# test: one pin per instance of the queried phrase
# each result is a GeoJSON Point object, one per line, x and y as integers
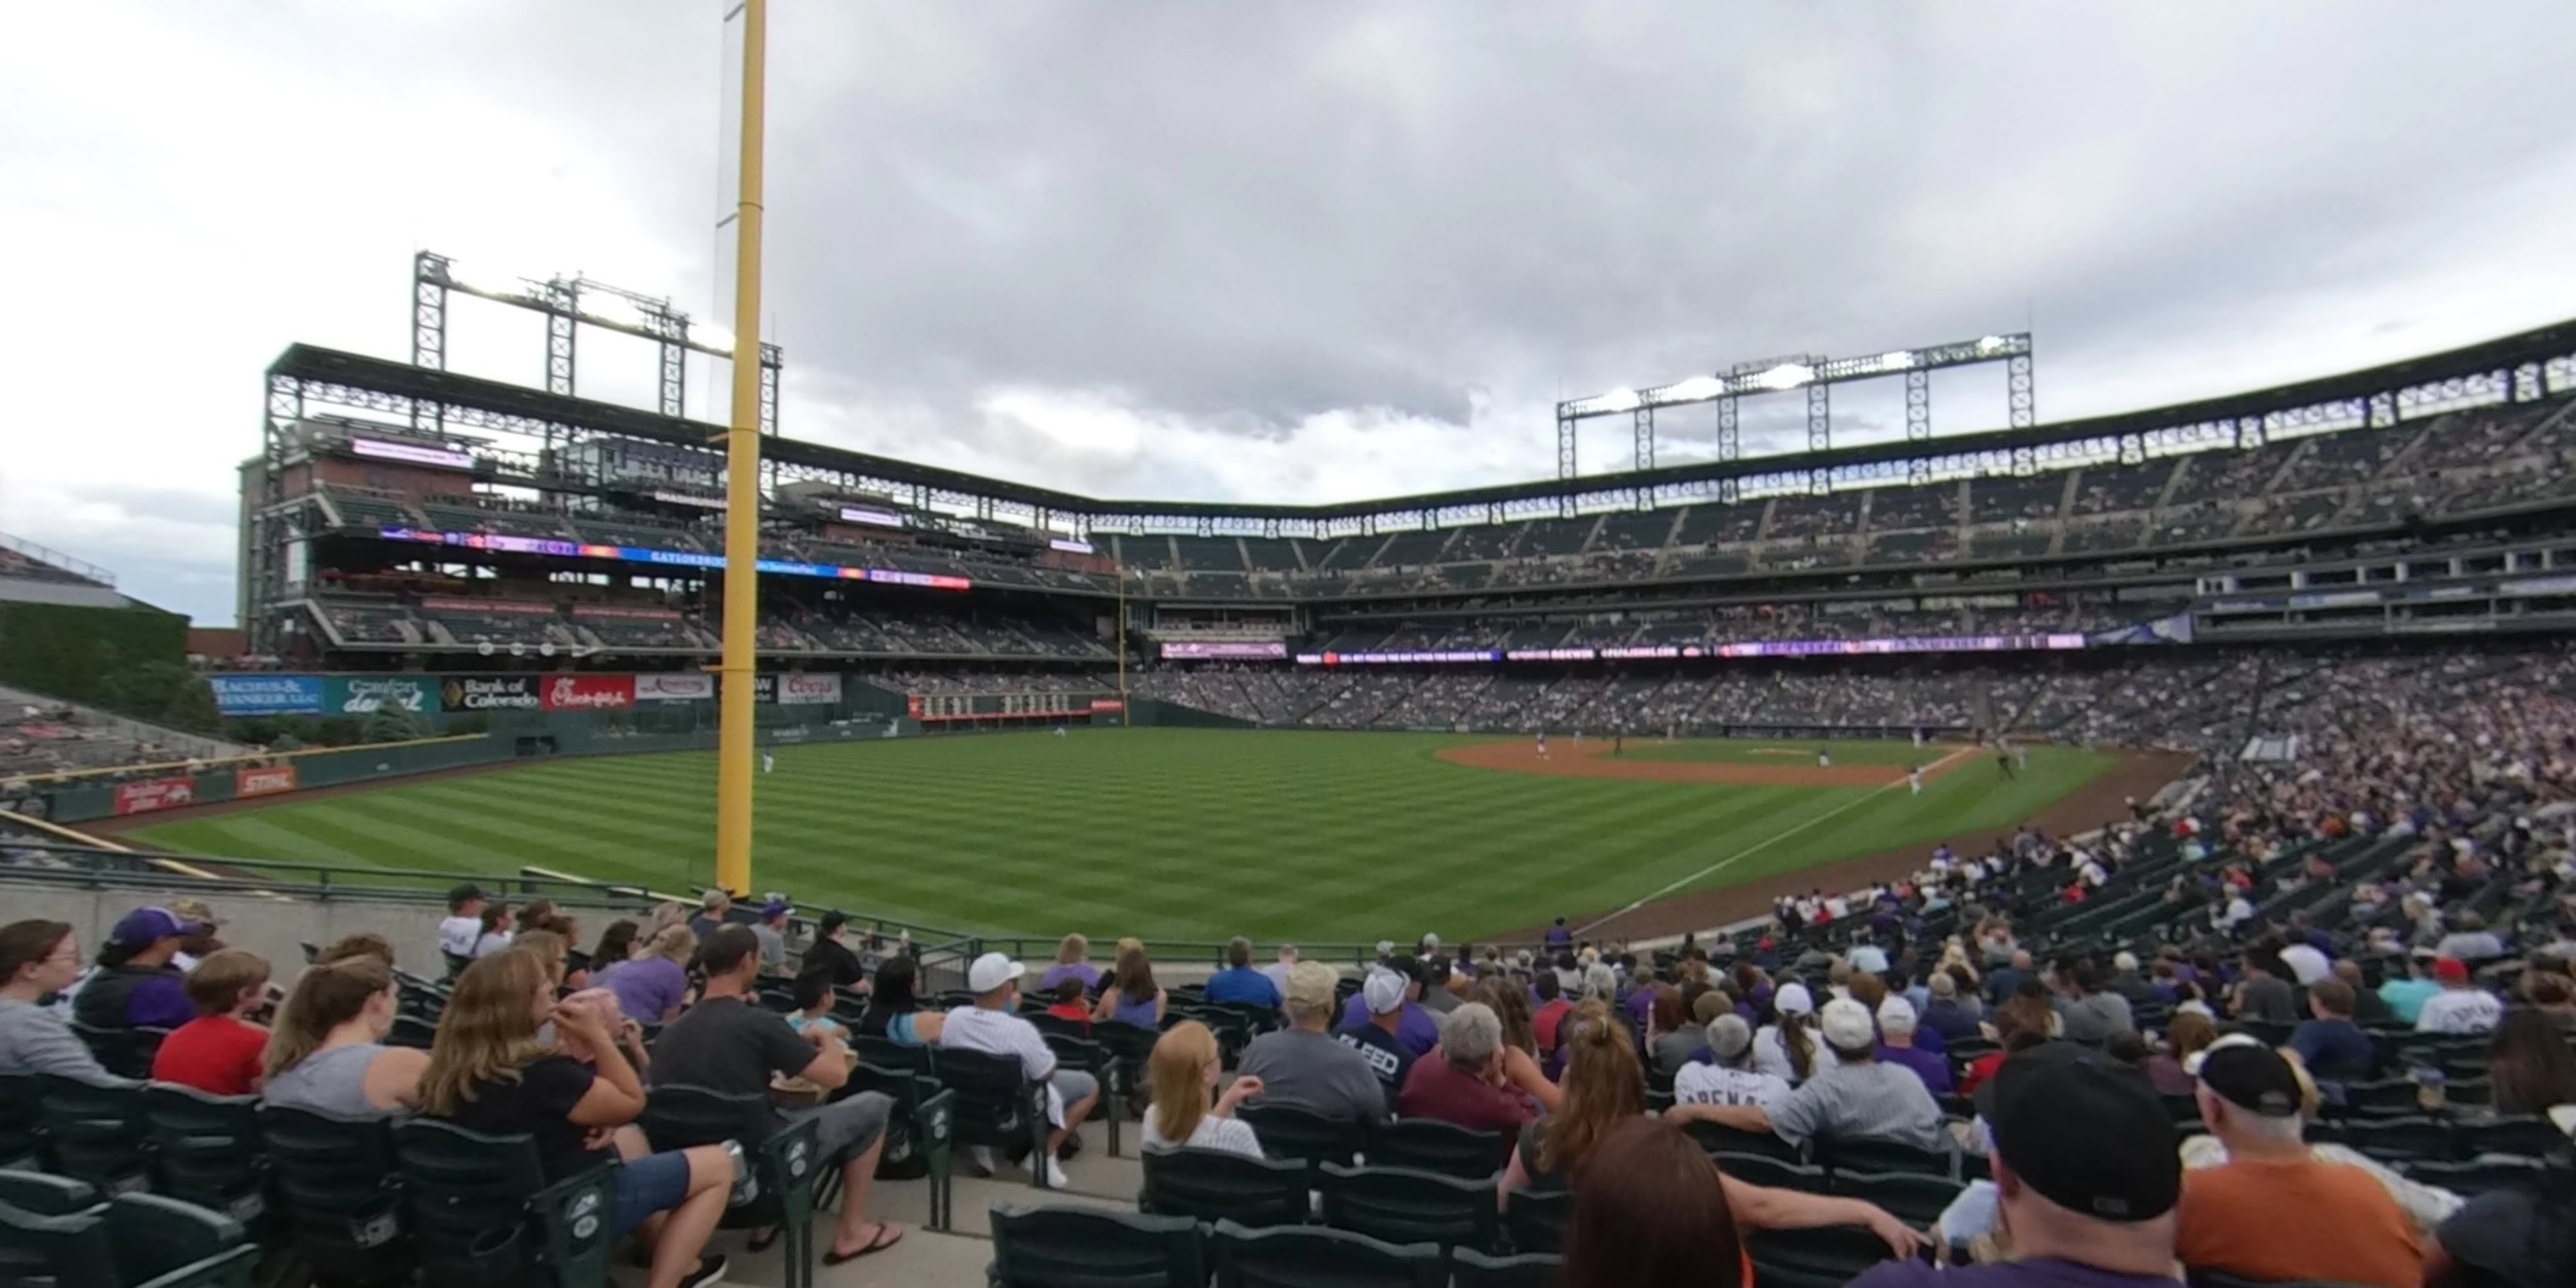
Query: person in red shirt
{"type": "Point", "coordinates": [1462, 1080]}
{"type": "Point", "coordinates": [219, 1052]}
{"type": "Point", "coordinates": [1552, 1007]}
{"type": "Point", "coordinates": [1070, 1003]}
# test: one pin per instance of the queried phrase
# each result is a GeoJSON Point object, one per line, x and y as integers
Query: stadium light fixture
{"type": "Point", "coordinates": [1990, 344]}
{"type": "Point", "coordinates": [1788, 375]}
{"type": "Point", "coordinates": [708, 335]}
{"type": "Point", "coordinates": [1895, 360]}
{"type": "Point", "coordinates": [1695, 389]}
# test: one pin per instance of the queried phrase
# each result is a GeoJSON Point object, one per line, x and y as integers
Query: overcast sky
{"type": "Point", "coordinates": [1292, 251]}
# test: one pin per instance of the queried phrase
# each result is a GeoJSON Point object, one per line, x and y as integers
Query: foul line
{"type": "Point", "coordinates": [1766, 843]}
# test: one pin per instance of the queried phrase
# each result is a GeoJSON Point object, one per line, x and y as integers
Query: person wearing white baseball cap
{"type": "Point", "coordinates": [1860, 1098]}
{"type": "Point", "coordinates": [1790, 1050]}
{"type": "Point", "coordinates": [1375, 1035]}
{"type": "Point", "coordinates": [992, 1026]}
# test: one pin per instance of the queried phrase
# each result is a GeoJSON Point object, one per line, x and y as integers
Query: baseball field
{"type": "Point", "coordinates": [1202, 834]}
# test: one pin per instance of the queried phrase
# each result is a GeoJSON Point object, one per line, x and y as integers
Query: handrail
{"type": "Point", "coordinates": [61, 562]}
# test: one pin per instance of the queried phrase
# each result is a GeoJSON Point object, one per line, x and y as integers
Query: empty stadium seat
{"type": "Point", "coordinates": [1088, 1247]}
{"type": "Point", "coordinates": [1220, 1185]}
{"type": "Point", "coordinates": [1293, 1129]}
{"type": "Point", "coordinates": [98, 1134]}
{"type": "Point", "coordinates": [1404, 1205]}
{"type": "Point", "coordinates": [920, 1130]}
{"type": "Point", "coordinates": [1473, 1269]}
{"type": "Point", "coordinates": [128, 1242]}
{"type": "Point", "coordinates": [1316, 1257]}
{"type": "Point", "coordinates": [1536, 1219]}
{"type": "Point", "coordinates": [338, 1195]}
{"type": "Point", "coordinates": [483, 1214]}
{"type": "Point", "coordinates": [1430, 1145]}
{"type": "Point", "coordinates": [1824, 1257]}
{"type": "Point", "coordinates": [206, 1151]}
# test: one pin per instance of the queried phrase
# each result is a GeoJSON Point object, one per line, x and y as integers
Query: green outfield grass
{"type": "Point", "coordinates": [1787, 755]}
{"type": "Point", "coordinates": [1172, 833]}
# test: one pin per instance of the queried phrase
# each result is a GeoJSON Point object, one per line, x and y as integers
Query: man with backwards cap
{"type": "Point", "coordinates": [1415, 1027]}
{"type": "Point", "coordinates": [2086, 1175]}
{"type": "Point", "coordinates": [2272, 1211]}
{"type": "Point", "coordinates": [1375, 1037]}
{"type": "Point", "coordinates": [992, 1026]}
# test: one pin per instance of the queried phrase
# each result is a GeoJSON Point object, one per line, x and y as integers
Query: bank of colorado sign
{"type": "Point", "coordinates": [587, 692]}
{"type": "Point", "coordinates": [489, 693]}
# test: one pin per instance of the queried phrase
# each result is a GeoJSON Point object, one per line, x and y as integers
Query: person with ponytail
{"type": "Point", "coordinates": [326, 1052]}
{"type": "Point", "coordinates": [1789, 1049]}
{"type": "Point", "coordinates": [1604, 1085]}
{"type": "Point", "coordinates": [1181, 1072]}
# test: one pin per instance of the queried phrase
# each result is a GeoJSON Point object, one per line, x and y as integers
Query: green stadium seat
{"type": "Point", "coordinates": [206, 1151]}
{"type": "Point", "coordinates": [1406, 1205]}
{"type": "Point", "coordinates": [1536, 1219]}
{"type": "Point", "coordinates": [2476, 1177]}
{"type": "Point", "coordinates": [1294, 1129]}
{"type": "Point", "coordinates": [1824, 1257]}
{"type": "Point", "coordinates": [1880, 1156]}
{"type": "Point", "coordinates": [337, 1197]}
{"type": "Point", "coordinates": [1315, 1257]}
{"type": "Point", "coordinates": [46, 1194]}
{"type": "Point", "coordinates": [98, 1134]}
{"type": "Point", "coordinates": [919, 1133]}
{"type": "Point", "coordinates": [1081, 1053]}
{"type": "Point", "coordinates": [1220, 1185]}
{"type": "Point", "coordinates": [131, 1241]}
{"type": "Point", "coordinates": [22, 1121]}
{"type": "Point", "coordinates": [1766, 1169]}
{"type": "Point", "coordinates": [1917, 1200]}
{"type": "Point", "coordinates": [1717, 1138]}
{"type": "Point", "coordinates": [1472, 1269]}
{"type": "Point", "coordinates": [1086, 1247]}
{"type": "Point", "coordinates": [122, 1052]}
{"type": "Point", "coordinates": [1430, 1145]}
{"type": "Point", "coordinates": [997, 1106]}
{"type": "Point", "coordinates": [483, 1214]}
{"type": "Point", "coordinates": [786, 1163]}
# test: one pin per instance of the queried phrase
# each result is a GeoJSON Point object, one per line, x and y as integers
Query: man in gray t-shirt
{"type": "Point", "coordinates": [1305, 1063]}
{"type": "Point", "coordinates": [1860, 1098]}
{"type": "Point", "coordinates": [772, 934]}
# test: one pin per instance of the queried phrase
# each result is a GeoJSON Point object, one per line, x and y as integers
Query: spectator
{"type": "Point", "coordinates": [2532, 1069]}
{"type": "Point", "coordinates": [2265, 995]}
{"type": "Point", "coordinates": [2521, 1236]}
{"type": "Point", "coordinates": [2408, 989]}
{"type": "Point", "coordinates": [1947, 1013]}
{"type": "Point", "coordinates": [894, 1007]}
{"type": "Point", "coordinates": [1674, 1035]}
{"type": "Point", "coordinates": [2089, 1208]}
{"type": "Point", "coordinates": [1070, 1005]}
{"type": "Point", "coordinates": [617, 946]}
{"type": "Point", "coordinates": [361, 944]}
{"type": "Point", "coordinates": [2460, 1007]}
{"type": "Point", "coordinates": [1304, 1063]}
{"type": "Point", "coordinates": [1239, 982]}
{"type": "Point", "coordinates": [1789, 1050]}
{"type": "Point", "coordinates": [326, 1053]}
{"type": "Point", "coordinates": [1896, 1046]}
{"type": "Point", "coordinates": [814, 994]}
{"type": "Point", "coordinates": [1277, 972]}
{"type": "Point", "coordinates": [1604, 1086]}
{"type": "Point", "coordinates": [2347, 1231]}
{"type": "Point", "coordinates": [1132, 996]}
{"type": "Point", "coordinates": [714, 909]}
{"type": "Point", "coordinates": [1552, 1007]}
{"type": "Point", "coordinates": [2470, 941]}
{"type": "Point", "coordinates": [1182, 1070]}
{"type": "Point", "coordinates": [2004, 982]}
{"type": "Point", "coordinates": [2127, 982]}
{"type": "Point", "coordinates": [463, 926]}
{"type": "Point", "coordinates": [1441, 986]}
{"type": "Point", "coordinates": [992, 1026]}
{"type": "Point", "coordinates": [495, 929]}
{"type": "Point", "coordinates": [1730, 1079]}
{"type": "Point", "coordinates": [1462, 1079]}
{"type": "Point", "coordinates": [771, 931]}
{"type": "Point", "coordinates": [1650, 1207]}
{"type": "Point", "coordinates": [1375, 1036]}
{"type": "Point", "coordinates": [727, 1043]}
{"type": "Point", "coordinates": [2308, 964]}
{"type": "Point", "coordinates": [2085, 1012]}
{"type": "Point", "coordinates": [1858, 1098]}
{"type": "Point", "coordinates": [1521, 1067]}
{"type": "Point", "coordinates": [2368, 1007]}
{"type": "Point", "coordinates": [487, 1073]}
{"type": "Point", "coordinates": [650, 988]}
{"type": "Point", "coordinates": [201, 945]}
{"type": "Point", "coordinates": [2333, 1047]}
{"type": "Point", "coordinates": [831, 954]}
{"type": "Point", "coordinates": [2175, 1070]}
{"type": "Point", "coordinates": [576, 963]}
{"type": "Point", "coordinates": [135, 986]}
{"type": "Point", "coordinates": [38, 958]}
{"type": "Point", "coordinates": [1415, 1027]}
{"type": "Point", "coordinates": [1559, 939]}
{"type": "Point", "coordinates": [1072, 960]}
{"type": "Point", "coordinates": [219, 1052]}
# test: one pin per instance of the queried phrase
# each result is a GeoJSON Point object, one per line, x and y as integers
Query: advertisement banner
{"type": "Point", "coordinates": [1250, 650]}
{"type": "Point", "coordinates": [359, 694]}
{"type": "Point", "coordinates": [1107, 704]}
{"type": "Point", "coordinates": [267, 695]}
{"type": "Point", "coordinates": [589, 692]}
{"type": "Point", "coordinates": [266, 781]}
{"type": "Point", "coordinates": [796, 689]}
{"type": "Point", "coordinates": [488, 693]}
{"type": "Point", "coordinates": [146, 795]}
{"type": "Point", "coordinates": [675, 688]}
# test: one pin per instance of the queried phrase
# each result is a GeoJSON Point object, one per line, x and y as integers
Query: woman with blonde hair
{"type": "Point", "coordinates": [1180, 1073]}
{"type": "Point", "coordinates": [488, 1073]}
{"type": "Point", "coordinates": [1604, 1085]}
{"type": "Point", "coordinates": [326, 1051]}
{"type": "Point", "coordinates": [650, 988]}
{"type": "Point", "coordinates": [1132, 996]}
{"type": "Point", "coordinates": [1072, 961]}
{"type": "Point", "coordinates": [1521, 1067]}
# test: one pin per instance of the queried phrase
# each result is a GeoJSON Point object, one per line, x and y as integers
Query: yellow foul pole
{"type": "Point", "coordinates": [742, 488]}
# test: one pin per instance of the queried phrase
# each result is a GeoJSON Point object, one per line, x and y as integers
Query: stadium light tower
{"type": "Point", "coordinates": [1813, 374]}
{"type": "Point", "coordinates": [735, 670]}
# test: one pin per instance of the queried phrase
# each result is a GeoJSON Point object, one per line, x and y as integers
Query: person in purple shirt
{"type": "Point", "coordinates": [1239, 982]}
{"type": "Point", "coordinates": [135, 986]}
{"type": "Point", "coordinates": [650, 988]}
{"type": "Point", "coordinates": [1416, 1030]}
{"type": "Point", "coordinates": [1896, 1028]}
{"type": "Point", "coordinates": [1072, 961]}
{"type": "Point", "coordinates": [1641, 998]}
{"type": "Point", "coordinates": [2089, 1206]}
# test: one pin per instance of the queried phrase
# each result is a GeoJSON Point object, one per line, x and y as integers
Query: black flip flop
{"type": "Point", "coordinates": [878, 1244]}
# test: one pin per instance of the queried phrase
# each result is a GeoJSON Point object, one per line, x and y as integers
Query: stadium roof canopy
{"type": "Point", "coordinates": [2514, 368]}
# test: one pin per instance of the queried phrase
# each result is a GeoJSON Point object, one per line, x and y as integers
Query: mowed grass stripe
{"type": "Point", "coordinates": [1192, 834]}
